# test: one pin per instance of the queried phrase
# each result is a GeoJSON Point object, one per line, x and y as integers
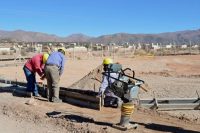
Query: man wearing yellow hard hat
{"type": "Point", "coordinates": [107, 61]}
{"type": "Point", "coordinates": [110, 99]}
{"type": "Point", "coordinates": [53, 70]}
{"type": "Point", "coordinates": [33, 66]}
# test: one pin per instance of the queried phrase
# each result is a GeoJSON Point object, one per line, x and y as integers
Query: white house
{"type": "Point", "coordinates": [155, 46]}
{"type": "Point", "coordinates": [81, 48]}
{"type": "Point", "coordinates": [184, 46]}
{"type": "Point", "coordinates": [3, 49]}
{"type": "Point", "coordinates": [139, 46]}
{"type": "Point", "coordinates": [195, 46]}
{"type": "Point", "coordinates": [169, 46]}
{"type": "Point", "coordinates": [61, 44]}
{"type": "Point", "coordinates": [130, 47]}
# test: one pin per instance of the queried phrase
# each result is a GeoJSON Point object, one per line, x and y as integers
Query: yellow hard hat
{"type": "Point", "coordinates": [107, 61]}
{"type": "Point", "coordinates": [62, 49]}
{"type": "Point", "coordinates": [45, 57]}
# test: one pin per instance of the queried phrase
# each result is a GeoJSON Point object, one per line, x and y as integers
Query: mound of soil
{"type": "Point", "coordinates": [91, 81]}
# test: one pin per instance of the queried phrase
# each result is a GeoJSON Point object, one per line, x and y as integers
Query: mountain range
{"type": "Point", "coordinates": [120, 38]}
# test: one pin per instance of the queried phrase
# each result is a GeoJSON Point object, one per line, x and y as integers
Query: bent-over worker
{"type": "Point", "coordinates": [31, 67]}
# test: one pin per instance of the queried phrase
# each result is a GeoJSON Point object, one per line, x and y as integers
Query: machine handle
{"type": "Point", "coordinates": [123, 71]}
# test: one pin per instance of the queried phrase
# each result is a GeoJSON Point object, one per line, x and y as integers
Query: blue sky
{"type": "Point", "coordinates": [99, 17]}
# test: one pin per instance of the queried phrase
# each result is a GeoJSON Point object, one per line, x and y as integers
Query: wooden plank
{"type": "Point", "coordinates": [81, 103]}
{"type": "Point", "coordinates": [172, 106]}
{"type": "Point", "coordinates": [79, 96]}
{"type": "Point", "coordinates": [88, 92]}
{"type": "Point", "coordinates": [6, 87]}
{"type": "Point", "coordinates": [21, 93]}
{"type": "Point", "coordinates": [170, 100]}
{"type": "Point", "coordinates": [11, 59]}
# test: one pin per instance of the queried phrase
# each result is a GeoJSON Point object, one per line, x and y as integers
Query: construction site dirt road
{"type": "Point", "coordinates": [16, 116]}
{"type": "Point", "coordinates": [170, 76]}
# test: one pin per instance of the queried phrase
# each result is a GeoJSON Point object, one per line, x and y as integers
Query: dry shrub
{"type": "Point", "coordinates": [78, 58]}
{"type": "Point", "coordinates": [11, 52]}
{"type": "Point", "coordinates": [140, 52]}
{"type": "Point", "coordinates": [151, 53]}
{"type": "Point", "coordinates": [24, 53]}
{"type": "Point", "coordinates": [5, 53]}
{"type": "Point", "coordinates": [166, 52]}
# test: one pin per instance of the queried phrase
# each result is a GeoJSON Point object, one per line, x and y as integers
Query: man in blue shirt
{"type": "Point", "coordinates": [53, 70]}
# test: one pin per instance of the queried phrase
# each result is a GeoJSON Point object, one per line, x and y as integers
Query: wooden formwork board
{"type": "Point", "coordinates": [194, 106]}
{"type": "Point", "coordinates": [12, 59]}
{"type": "Point", "coordinates": [82, 98]}
{"type": "Point", "coordinates": [171, 103]}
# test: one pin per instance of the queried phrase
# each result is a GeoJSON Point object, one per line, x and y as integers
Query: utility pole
{"type": "Point", "coordinates": [190, 48]}
{"type": "Point", "coordinates": [124, 49]}
{"type": "Point", "coordinates": [199, 47]}
{"type": "Point", "coordinates": [102, 50]}
{"type": "Point", "coordinates": [113, 49]}
{"type": "Point", "coordinates": [174, 48]}
{"type": "Point", "coordinates": [161, 49]}
{"type": "Point", "coordinates": [73, 52]}
{"type": "Point", "coordinates": [74, 44]}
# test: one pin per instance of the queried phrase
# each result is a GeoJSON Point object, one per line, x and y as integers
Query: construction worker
{"type": "Point", "coordinates": [53, 70]}
{"type": "Point", "coordinates": [33, 66]}
{"type": "Point", "coordinates": [110, 99]}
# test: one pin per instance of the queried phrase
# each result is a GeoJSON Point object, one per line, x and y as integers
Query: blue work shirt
{"type": "Point", "coordinates": [58, 59]}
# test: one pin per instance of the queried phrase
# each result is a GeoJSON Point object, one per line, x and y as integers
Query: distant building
{"type": "Point", "coordinates": [4, 50]}
{"type": "Point", "coordinates": [155, 46]}
{"type": "Point", "coordinates": [139, 46]}
{"type": "Point", "coordinates": [169, 46]}
{"type": "Point", "coordinates": [195, 46]}
{"type": "Point", "coordinates": [82, 49]}
{"type": "Point", "coordinates": [184, 46]}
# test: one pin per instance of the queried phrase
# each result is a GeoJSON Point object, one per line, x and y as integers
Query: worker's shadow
{"type": "Point", "coordinates": [76, 118]}
{"type": "Point", "coordinates": [166, 128]}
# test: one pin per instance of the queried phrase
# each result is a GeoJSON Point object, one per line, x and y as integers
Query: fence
{"type": "Point", "coordinates": [81, 52]}
{"type": "Point", "coordinates": [130, 52]}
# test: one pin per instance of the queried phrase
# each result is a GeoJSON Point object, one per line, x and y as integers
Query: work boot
{"type": "Point", "coordinates": [125, 127]}
{"type": "Point", "coordinates": [131, 126]}
{"type": "Point", "coordinates": [56, 100]}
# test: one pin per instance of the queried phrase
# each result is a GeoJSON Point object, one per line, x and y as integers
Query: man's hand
{"type": "Point", "coordinates": [40, 83]}
{"type": "Point", "coordinates": [43, 77]}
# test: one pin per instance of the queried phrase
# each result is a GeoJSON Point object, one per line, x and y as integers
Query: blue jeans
{"type": "Point", "coordinates": [31, 81]}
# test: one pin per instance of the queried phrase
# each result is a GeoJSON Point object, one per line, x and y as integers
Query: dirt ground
{"type": "Point", "coordinates": [167, 77]}
{"type": "Point", "coordinates": [16, 116]}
